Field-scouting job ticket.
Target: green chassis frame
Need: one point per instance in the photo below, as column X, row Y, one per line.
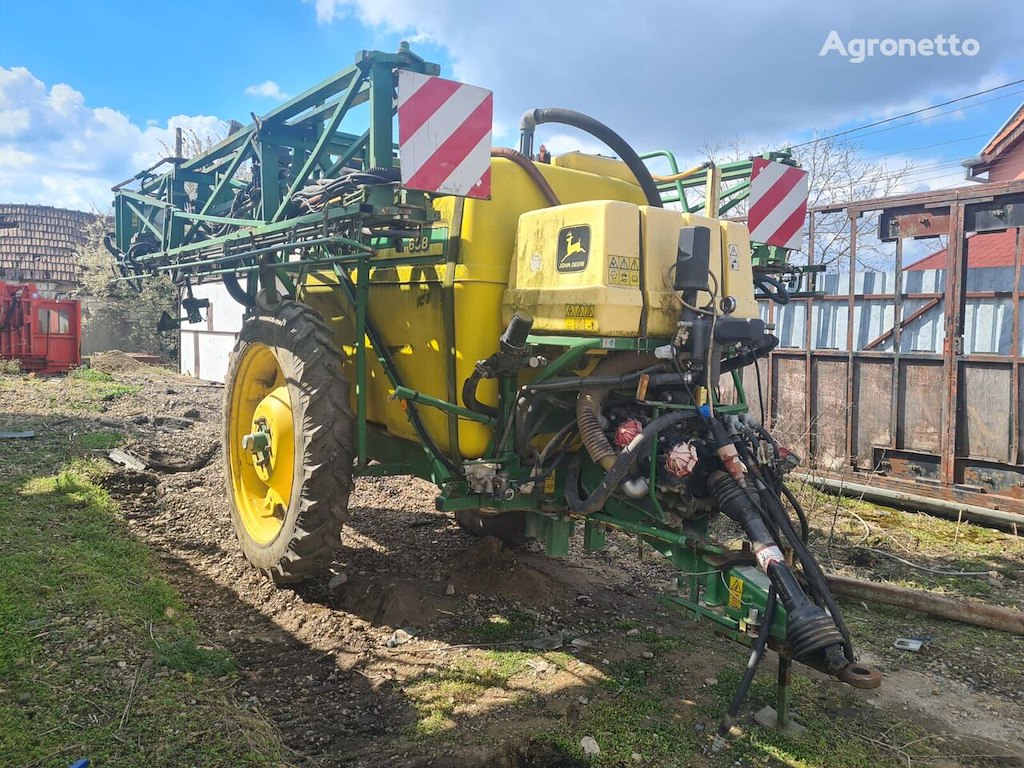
column 301, row 140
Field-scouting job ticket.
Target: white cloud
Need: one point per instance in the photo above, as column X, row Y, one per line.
column 56, row 150
column 678, row 75
column 268, row 89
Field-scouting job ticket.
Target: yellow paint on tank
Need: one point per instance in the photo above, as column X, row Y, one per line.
column 588, row 269
column 406, row 302
column 737, row 270
column 577, row 269
column 597, row 164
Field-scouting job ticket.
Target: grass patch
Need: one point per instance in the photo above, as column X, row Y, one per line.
column 658, row 643
column 438, row 699
column 89, row 390
column 184, row 655
column 84, row 373
column 504, row 626
column 100, row 441
column 842, row 731
column 630, row 712
column 97, row 657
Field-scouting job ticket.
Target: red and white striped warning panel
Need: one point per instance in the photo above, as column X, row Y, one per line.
column 778, row 204
column 444, row 135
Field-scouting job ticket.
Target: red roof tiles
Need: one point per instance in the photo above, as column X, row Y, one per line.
column 989, row 249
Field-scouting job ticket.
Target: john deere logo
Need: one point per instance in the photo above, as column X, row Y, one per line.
column 573, row 248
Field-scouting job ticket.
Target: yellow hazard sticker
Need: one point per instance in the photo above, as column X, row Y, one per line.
column 549, row 484
column 735, row 592
column 580, row 317
column 624, row 270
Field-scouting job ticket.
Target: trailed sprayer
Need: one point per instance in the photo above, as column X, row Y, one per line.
column 553, row 341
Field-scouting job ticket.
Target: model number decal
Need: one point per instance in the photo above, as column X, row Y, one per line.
column 418, row 244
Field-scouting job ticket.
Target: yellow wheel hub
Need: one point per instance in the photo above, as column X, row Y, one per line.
column 261, row 446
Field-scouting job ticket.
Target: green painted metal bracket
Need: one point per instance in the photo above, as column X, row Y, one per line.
column 554, row 530
column 293, row 141
column 411, row 395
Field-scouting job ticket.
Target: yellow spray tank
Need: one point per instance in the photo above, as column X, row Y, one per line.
column 408, row 304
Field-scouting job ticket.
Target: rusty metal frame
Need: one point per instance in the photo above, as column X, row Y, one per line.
column 954, row 212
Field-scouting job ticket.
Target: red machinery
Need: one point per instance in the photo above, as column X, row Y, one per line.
column 43, row 334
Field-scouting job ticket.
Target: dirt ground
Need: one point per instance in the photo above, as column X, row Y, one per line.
column 507, row 647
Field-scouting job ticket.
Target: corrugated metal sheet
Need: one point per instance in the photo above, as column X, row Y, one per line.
column 988, row 321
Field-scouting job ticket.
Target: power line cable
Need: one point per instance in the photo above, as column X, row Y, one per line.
column 910, row 114
column 909, row 150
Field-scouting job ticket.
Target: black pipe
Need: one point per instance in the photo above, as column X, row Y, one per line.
column 571, row 383
column 111, row 248
column 469, row 395
column 780, row 294
column 619, row 468
column 751, row 354
column 756, row 653
column 813, row 573
column 805, row 529
column 598, row 130
column 237, row 292
column 433, row 449
column 809, row 629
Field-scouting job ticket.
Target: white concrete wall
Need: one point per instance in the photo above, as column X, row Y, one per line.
column 205, row 346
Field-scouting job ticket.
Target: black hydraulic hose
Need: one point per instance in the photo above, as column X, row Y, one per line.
column 432, row 448
column 619, row 467
column 756, row 654
column 598, row 130
column 809, row 629
column 776, row 517
column 111, row 248
column 570, row 383
column 814, row 574
column 780, row 295
column 469, row 395
column 751, row 354
column 805, row 528
column 237, row 292
column 812, row 570
column 554, row 446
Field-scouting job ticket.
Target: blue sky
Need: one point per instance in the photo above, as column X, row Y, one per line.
column 88, row 91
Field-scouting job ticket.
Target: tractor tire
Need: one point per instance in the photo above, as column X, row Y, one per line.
column 507, row 527
column 288, row 502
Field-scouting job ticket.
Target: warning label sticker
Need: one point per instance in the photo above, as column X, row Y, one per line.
column 735, row 592
column 734, row 257
column 624, row 270
column 580, row 317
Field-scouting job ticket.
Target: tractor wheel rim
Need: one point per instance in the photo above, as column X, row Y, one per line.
column 262, row 474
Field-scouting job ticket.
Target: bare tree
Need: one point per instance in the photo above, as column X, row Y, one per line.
column 838, row 173
column 127, row 311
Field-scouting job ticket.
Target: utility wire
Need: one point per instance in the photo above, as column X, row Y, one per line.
column 909, row 114
column 940, row 114
column 910, row 150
